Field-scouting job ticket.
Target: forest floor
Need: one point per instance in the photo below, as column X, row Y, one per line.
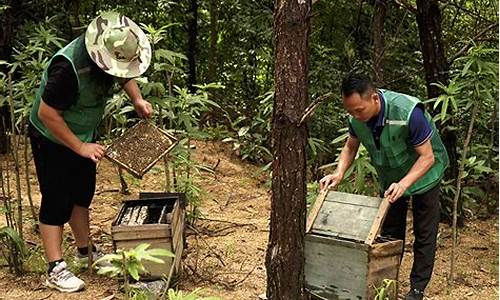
column 226, row 249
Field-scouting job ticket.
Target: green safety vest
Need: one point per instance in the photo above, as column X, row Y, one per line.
column 396, row 155
column 84, row 116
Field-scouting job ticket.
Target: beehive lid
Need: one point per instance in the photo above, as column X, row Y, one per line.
column 348, row 216
column 140, row 147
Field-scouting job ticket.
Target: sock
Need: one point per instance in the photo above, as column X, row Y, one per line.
column 85, row 250
column 52, row 264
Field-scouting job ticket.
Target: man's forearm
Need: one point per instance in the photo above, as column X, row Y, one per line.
column 423, row 164
column 345, row 160
column 132, row 90
column 58, row 127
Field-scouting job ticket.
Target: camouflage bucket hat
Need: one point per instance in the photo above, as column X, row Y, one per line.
column 117, row 45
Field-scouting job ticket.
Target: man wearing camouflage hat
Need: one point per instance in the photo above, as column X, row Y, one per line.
column 68, row 108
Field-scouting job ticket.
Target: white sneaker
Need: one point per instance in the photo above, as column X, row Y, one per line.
column 61, row 279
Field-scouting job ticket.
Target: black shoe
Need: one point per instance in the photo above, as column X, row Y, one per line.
column 414, row 294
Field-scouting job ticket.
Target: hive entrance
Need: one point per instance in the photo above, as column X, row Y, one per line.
column 137, row 213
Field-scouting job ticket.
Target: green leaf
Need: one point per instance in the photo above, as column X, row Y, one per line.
column 133, row 271
column 340, row 138
column 243, row 131
column 160, row 252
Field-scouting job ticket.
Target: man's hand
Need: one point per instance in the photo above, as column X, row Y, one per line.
column 330, row 182
column 143, row 108
column 93, row 151
column 395, row 191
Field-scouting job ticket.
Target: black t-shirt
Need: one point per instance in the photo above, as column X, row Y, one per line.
column 61, row 89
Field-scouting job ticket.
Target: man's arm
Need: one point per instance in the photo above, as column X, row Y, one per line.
column 424, row 163
column 346, row 158
column 53, row 120
column 142, row 107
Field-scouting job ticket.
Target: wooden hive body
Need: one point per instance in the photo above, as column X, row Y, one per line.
column 162, row 227
column 340, row 264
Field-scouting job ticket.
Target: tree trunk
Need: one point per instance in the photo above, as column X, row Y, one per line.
column 436, row 71
column 378, row 41
column 212, row 61
column 193, row 33
column 285, row 253
column 429, row 27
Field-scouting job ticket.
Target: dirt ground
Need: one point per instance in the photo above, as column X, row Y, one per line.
column 226, row 246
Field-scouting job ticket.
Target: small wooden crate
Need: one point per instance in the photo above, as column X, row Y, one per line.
column 340, row 263
column 156, row 219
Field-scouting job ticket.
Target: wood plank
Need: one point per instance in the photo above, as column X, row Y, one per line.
column 353, row 199
column 334, row 271
column 384, row 261
column 379, row 220
column 146, row 231
column 346, row 220
column 388, row 248
column 315, row 210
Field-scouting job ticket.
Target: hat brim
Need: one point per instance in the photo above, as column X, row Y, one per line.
column 99, row 54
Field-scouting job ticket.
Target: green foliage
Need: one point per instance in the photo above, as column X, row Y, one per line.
column 194, row 295
column 12, row 249
column 361, row 177
column 130, row 262
column 251, row 140
column 388, row 288
column 29, row 60
column 475, row 82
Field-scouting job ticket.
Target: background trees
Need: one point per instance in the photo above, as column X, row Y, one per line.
column 445, row 53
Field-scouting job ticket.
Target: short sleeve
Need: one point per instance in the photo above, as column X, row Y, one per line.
column 61, row 89
column 420, row 128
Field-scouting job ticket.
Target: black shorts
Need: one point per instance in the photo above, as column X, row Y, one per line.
column 65, row 178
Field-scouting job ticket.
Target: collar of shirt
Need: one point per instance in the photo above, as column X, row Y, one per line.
column 378, row 120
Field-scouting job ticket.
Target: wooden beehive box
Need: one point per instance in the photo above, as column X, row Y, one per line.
column 345, row 258
column 156, row 219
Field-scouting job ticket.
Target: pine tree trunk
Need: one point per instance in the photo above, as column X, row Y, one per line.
column 193, row 34
column 436, row 71
column 285, row 253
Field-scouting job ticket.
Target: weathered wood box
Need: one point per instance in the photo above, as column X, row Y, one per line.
column 156, row 219
column 344, row 257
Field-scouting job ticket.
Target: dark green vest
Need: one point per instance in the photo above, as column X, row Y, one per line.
column 396, row 154
column 94, row 88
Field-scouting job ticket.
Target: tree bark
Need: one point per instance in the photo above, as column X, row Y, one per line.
column 429, row 27
column 380, row 11
column 285, row 253
column 193, row 34
column 214, row 33
column 436, row 71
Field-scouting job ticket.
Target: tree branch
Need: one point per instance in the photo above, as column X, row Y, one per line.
column 309, row 111
column 408, row 6
column 471, row 41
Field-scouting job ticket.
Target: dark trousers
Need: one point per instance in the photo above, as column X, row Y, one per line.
column 426, row 214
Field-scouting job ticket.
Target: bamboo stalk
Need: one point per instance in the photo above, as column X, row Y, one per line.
column 27, row 175
column 123, row 183
column 15, row 156
column 90, row 255
column 458, row 189
column 5, row 198
column 167, row 174
column 125, row 276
